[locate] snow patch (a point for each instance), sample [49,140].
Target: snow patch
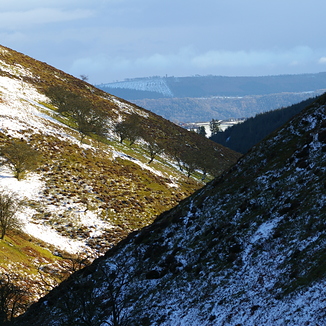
[157,85]
[30,189]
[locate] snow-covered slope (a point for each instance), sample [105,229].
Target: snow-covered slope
[247,249]
[20,111]
[155,84]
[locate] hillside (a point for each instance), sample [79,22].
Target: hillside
[94,182]
[220,107]
[203,98]
[241,137]
[247,249]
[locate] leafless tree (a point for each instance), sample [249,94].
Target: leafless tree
[87,303]
[73,264]
[11,298]
[9,206]
[84,77]
[154,147]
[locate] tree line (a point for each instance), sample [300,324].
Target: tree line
[90,120]
[86,117]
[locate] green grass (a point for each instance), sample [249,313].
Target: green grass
[20,249]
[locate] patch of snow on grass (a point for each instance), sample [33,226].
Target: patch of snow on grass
[50,236]
[30,189]
[15,69]
[20,111]
[90,219]
[17,114]
[129,108]
[264,230]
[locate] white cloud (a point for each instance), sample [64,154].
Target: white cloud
[12,20]
[322,60]
[295,56]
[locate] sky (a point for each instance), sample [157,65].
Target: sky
[111,40]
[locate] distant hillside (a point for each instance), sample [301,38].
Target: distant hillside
[222,108]
[202,98]
[241,137]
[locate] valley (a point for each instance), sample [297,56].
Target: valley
[126,218]
[88,189]
[246,249]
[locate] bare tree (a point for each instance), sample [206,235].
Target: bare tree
[88,120]
[84,77]
[11,298]
[9,205]
[87,303]
[20,157]
[116,281]
[189,162]
[51,278]
[121,129]
[154,147]
[60,97]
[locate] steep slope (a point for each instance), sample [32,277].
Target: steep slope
[89,190]
[247,249]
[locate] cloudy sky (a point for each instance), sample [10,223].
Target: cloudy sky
[110,40]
